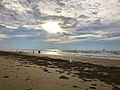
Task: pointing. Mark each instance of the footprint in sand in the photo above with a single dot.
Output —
(9, 85)
(64, 85)
(19, 65)
(76, 87)
(6, 76)
(12, 66)
(29, 89)
(63, 77)
(17, 68)
(45, 70)
(27, 66)
(94, 84)
(5, 68)
(28, 78)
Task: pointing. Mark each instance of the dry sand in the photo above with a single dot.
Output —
(28, 72)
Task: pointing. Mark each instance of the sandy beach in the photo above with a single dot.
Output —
(22, 71)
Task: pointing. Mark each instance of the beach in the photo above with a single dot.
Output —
(25, 71)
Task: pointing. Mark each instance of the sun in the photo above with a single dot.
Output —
(51, 27)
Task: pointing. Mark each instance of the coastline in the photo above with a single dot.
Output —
(98, 61)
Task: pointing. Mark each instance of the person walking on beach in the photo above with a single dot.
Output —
(33, 51)
(39, 51)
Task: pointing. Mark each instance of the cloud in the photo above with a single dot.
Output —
(3, 36)
(81, 20)
(23, 36)
(83, 16)
(112, 38)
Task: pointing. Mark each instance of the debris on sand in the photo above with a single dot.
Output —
(85, 79)
(92, 87)
(27, 79)
(94, 84)
(45, 70)
(63, 77)
(60, 71)
(27, 66)
(76, 86)
(116, 88)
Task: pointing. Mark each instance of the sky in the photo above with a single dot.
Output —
(60, 24)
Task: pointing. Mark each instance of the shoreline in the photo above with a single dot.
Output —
(98, 61)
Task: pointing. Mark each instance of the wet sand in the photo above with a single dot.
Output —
(19, 71)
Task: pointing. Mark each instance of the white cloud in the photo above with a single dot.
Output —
(91, 19)
(23, 36)
(3, 36)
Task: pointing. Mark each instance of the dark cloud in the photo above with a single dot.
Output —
(112, 35)
(83, 16)
(79, 38)
(95, 12)
(97, 21)
(29, 1)
(1, 6)
(60, 3)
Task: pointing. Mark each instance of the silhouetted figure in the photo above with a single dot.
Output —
(20, 51)
(103, 49)
(33, 51)
(39, 51)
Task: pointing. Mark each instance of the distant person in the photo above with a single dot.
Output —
(39, 51)
(33, 51)
(103, 49)
(20, 51)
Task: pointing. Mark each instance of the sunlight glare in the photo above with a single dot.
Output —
(51, 27)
